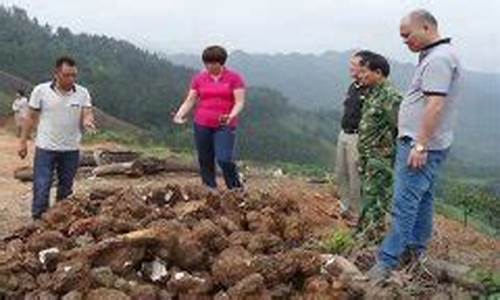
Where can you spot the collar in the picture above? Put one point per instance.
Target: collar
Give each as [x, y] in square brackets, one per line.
[427, 49]
[222, 74]
[53, 86]
[437, 43]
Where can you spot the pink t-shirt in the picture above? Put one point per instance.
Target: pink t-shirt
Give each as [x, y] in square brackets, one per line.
[216, 97]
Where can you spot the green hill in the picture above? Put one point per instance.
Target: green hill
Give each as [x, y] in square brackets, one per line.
[143, 89]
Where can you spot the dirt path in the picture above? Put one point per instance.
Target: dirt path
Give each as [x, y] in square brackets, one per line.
[15, 197]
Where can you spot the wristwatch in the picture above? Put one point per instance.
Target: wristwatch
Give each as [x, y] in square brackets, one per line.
[419, 148]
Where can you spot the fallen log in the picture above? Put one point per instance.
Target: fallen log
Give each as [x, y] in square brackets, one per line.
[24, 174]
[144, 166]
[112, 169]
[103, 157]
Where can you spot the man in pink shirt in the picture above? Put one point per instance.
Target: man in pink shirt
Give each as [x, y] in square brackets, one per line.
[219, 96]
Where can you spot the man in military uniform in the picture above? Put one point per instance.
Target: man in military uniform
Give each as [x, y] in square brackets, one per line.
[377, 134]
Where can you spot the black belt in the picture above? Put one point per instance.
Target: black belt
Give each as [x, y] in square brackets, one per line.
[351, 131]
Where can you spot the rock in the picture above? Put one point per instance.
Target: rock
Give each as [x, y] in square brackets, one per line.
[263, 222]
[210, 235]
[27, 282]
[250, 287]
[265, 243]
[184, 283]
[8, 282]
[281, 291]
[106, 294]
[308, 262]
[48, 258]
[155, 271]
[192, 209]
[337, 265]
[222, 296]
[73, 295]
[190, 254]
[293, 229]
[40, 295]
[232, 265]
[227, 225]
[32, 263]
[164, 295]
[72, 275]
[121, 260]
[240, 238]
[46, 240]
[276, 269]
[317, 285]
[122, 285]
[103, 277]
[144, 292]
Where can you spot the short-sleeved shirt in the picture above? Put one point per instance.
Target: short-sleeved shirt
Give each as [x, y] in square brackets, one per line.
[20, 107]
[59, 128]
[216, 97]
[438, 73]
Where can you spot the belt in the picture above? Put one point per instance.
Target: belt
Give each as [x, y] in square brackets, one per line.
[351, 131]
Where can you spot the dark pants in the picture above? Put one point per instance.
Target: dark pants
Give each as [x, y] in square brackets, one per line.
[216, 144]
[65, 163]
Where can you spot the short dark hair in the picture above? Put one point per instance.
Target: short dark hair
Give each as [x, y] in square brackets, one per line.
[363, 54]
[214, 54]
[65, 60]
[375, 61]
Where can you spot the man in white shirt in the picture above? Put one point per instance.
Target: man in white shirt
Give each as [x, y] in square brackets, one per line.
[60, 108]
[20, 108]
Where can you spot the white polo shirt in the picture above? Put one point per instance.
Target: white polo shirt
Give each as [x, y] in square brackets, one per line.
[60, 116]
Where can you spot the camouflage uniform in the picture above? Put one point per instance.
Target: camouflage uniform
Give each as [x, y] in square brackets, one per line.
[377, 139]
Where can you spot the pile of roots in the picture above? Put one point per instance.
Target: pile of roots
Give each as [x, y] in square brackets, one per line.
[169, 243]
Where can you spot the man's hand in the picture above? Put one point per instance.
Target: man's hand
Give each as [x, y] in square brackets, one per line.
[416, 159]
[89, 126]
[22, 149]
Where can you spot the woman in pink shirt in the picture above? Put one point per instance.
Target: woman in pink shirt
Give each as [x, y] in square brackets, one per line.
[219, 96]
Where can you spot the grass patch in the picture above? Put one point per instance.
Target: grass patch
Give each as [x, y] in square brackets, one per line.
[339, 242]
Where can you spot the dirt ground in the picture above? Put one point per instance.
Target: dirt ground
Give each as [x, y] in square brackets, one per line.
[451, 240]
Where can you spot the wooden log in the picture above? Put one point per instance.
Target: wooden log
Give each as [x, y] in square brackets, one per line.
[143, 167]
[136, 168]
[113, 169]
[24, 174]
[103, 157]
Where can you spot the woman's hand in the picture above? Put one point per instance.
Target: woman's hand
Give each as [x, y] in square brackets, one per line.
[187, 105]
[179, 119]
[225, 120]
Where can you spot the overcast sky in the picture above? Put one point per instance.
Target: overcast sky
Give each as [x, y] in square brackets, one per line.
[272, 26]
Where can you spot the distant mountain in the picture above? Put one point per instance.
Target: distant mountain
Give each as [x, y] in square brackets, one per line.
[320, 81]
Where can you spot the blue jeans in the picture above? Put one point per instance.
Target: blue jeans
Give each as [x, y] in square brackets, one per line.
[216, 144]
[412, 205]
[65, 163]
